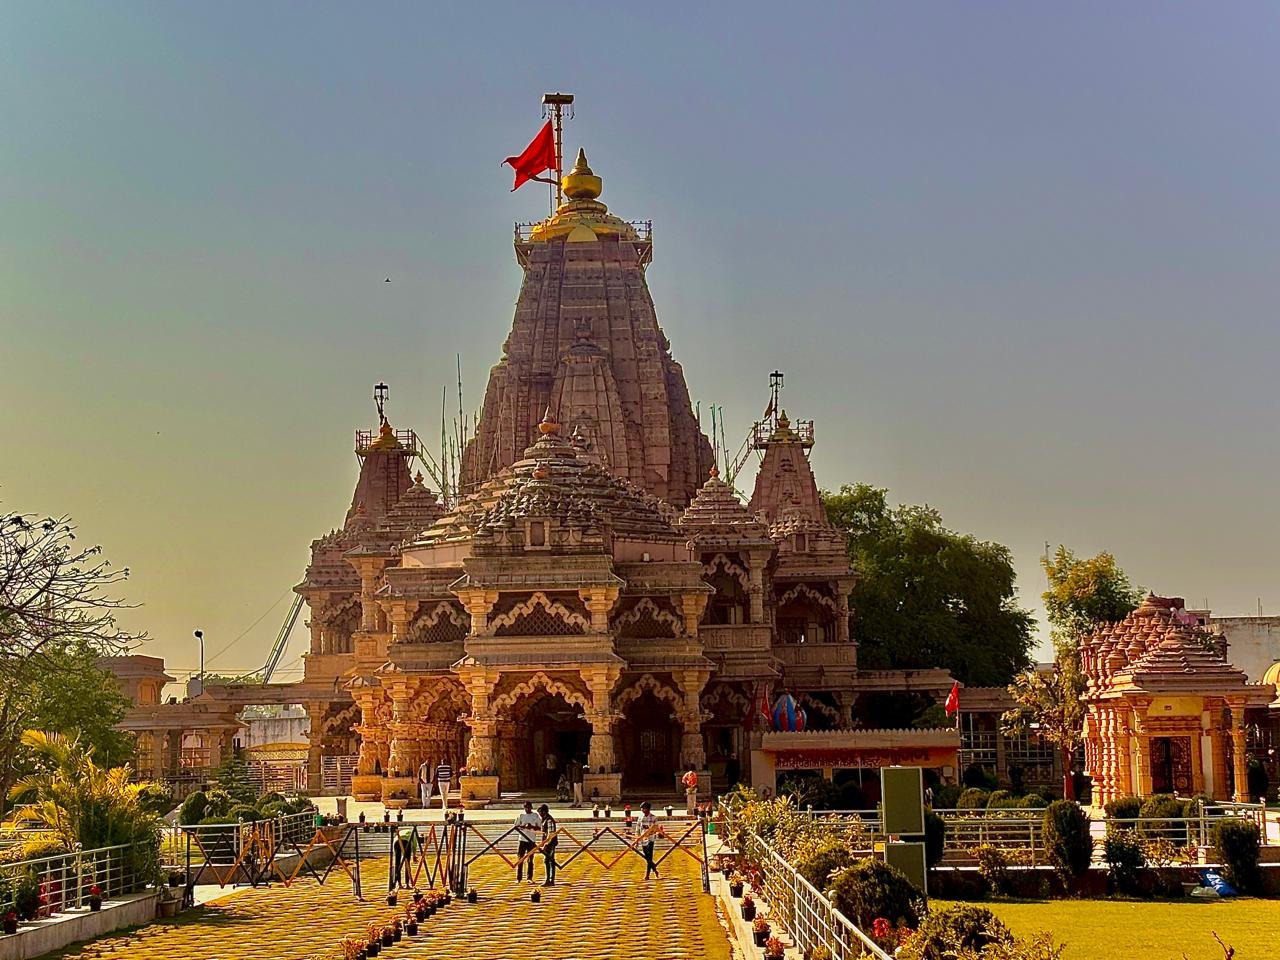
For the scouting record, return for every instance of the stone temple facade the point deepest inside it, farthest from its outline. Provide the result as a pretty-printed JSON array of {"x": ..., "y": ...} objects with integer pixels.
[
  {"x": 595, "y": 590},
  {"x": 1166, "y": 711}
]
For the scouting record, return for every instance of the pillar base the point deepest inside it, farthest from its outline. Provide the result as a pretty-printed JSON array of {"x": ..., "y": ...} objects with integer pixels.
[
  {"x": 366, "y": 787},
  {"x": 602, "y": 787}
]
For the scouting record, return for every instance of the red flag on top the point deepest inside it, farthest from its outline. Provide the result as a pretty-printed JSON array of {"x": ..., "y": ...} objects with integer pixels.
[
  {"x": 953, "y": 699},
  {"x": 539, "y": 155}
]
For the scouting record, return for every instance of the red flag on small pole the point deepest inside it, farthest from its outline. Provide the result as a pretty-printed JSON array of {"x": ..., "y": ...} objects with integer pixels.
[
  {"x": 538, "y": 156},
  {"x": 953, "y": 699}
]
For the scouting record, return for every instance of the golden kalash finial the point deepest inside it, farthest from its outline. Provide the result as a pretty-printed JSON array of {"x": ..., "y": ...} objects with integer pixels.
[
  {"x": 386, "y": 438},
  {"x": 580, "y": 183},
  {"x": 549, "y": 425}
]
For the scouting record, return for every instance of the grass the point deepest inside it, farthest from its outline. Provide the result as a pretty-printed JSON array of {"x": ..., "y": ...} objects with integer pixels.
[{"x": 1148, "y": 930}]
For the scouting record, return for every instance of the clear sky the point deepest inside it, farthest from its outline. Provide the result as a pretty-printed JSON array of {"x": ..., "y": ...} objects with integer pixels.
[{"x": 1018, "y": 260}]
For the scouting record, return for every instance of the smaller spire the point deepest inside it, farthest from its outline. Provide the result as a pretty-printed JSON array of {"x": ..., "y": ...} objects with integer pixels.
[{"x": 580, "y": 183}]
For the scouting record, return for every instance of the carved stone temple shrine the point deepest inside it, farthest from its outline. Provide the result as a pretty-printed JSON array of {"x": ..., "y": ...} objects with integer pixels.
[{"x": 594, "y": 590}]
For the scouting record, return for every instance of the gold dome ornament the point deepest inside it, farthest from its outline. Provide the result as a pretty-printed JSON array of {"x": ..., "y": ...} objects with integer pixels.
[
  {"x": 549, "y": 425},
  {"x": 580, "y": 183}
]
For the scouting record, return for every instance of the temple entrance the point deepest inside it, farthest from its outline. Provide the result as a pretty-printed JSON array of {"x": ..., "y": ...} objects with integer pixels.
[
  {"x": 649, "y": 740},
  {"x": 549, "y": 732},
  {"x": 1171, "y": 765}
]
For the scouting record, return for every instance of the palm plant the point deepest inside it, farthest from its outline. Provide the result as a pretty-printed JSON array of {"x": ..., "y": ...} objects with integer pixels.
[{"x": 85, "y": 804}]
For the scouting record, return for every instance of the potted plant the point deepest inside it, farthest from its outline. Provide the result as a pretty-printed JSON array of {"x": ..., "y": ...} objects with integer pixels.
[
  {"x": 175, "y": 878},
  {"x": 595, "y": 810},
  {"x": 391, "y": 899},
  {"x": 748, "y": 907},
  {"x": 735, "y": 884},
  {"x": 536, "y": 895},
  {"x": 10, "y": 922},
  {"x": 760, "y": 930},
  {"x": 472, "y": 896},
  {"x": 388, "y": 936},
  {"x": 397, "y": 930},
  {"x": 773, "y": 948},
  {"x": 95, "y": 898},
  {"x": 670, "y": 810},
  {"x": 608, "y": 811}
]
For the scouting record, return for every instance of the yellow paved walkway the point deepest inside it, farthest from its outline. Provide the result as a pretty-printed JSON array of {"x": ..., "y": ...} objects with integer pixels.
[{"x": 588, "y": 915}]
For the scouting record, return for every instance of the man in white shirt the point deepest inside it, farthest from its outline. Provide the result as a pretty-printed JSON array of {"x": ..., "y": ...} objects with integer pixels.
[
  {"x": 528, "y": 827},
  {"x": 553, "y": 767},
  {"x": 648, "y": 830}
]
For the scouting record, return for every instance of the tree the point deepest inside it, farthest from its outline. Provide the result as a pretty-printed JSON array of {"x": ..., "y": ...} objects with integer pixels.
[
  {"x": 1082, "y": 595},
  {"x": 928, "y": 596},
  {"x": 56, "y": 619}
]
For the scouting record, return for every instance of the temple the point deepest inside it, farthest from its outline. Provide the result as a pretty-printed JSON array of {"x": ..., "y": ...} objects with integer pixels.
[
  {"x": 1166, "y": 712},
  {"x": 593, "y": 588}
]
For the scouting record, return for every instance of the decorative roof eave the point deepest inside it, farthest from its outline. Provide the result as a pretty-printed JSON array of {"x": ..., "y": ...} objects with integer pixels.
[
  {"x": 537, "y": 661},
  {"x": 542, "y": 580}
]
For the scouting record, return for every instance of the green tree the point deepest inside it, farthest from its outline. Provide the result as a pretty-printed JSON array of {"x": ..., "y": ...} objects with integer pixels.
[
  {"x": 56, "y": 619},
  {"x": 928, "y": 596},
  {"x": 1082, "y": 595}
]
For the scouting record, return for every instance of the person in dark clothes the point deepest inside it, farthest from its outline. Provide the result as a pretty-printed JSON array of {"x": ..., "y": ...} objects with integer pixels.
[
  {"x": 549, "y": 841},
  {"x": 732, "y": 771}
]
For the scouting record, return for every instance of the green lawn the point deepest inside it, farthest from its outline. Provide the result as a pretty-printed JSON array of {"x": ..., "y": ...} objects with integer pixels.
[{"x": 1141, "y": 930}]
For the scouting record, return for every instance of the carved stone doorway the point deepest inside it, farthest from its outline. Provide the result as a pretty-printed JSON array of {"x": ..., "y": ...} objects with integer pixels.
[
  {"x": 554, "y": 732},
  {"x": 649, "y": 736}
]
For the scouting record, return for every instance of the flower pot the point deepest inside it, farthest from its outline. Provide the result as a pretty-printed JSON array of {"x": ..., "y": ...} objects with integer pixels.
[
  {"x": 373, "y": 949},
  {"x": 10, "y": 925},
  {"x": 749, "y": 912},
  {"x": 735, "y": 890},
  {"x": 471, "y": 896},
  {"x": 417, "y": 897},
  {"x": 760, "y": 937},
  {"x": 388, "y": 938},
  {"x": 412, "y": 928},
  {"x": 422, "y": 912},
  {"x": 596, "y": 814},
  {"x": 95, "y": 903},
  {"x": 397, "y": 935},
  {"x": 391, "y": 899}
]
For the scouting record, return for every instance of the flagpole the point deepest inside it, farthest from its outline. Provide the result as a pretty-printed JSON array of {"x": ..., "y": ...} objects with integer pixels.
[{"x": 557, "y": 102}]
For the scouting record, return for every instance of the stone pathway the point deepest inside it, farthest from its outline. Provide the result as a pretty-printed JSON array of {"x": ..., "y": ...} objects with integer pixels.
[{"x": 590, "y": 914}]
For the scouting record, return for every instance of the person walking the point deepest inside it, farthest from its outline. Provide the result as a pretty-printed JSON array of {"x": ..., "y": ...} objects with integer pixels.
[
  {"x": 528, "y": 824},
  {"x": 444, "y": 776},
  {"x": 575, "y": 779},
  {"x": 552, "y": 765},
  {"x": 648, "y": 831},
  {"x": 403, "y": 848},
  {"x": 424, "y": 783},
  {"x": 549, "y": 841}
]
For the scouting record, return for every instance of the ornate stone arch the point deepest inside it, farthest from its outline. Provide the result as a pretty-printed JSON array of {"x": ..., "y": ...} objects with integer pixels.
[
  {"x": 577, "y": 697},
  {"x": 815, "y": 704},
  {"x": 804, "y": 590},
  {"x": 648, "y": 683},
  {"x": 723, "y": 693},
  {"x": 733, "y": 569},
  {"x": 338, "y": 621},
  {"x": 539, "y": 616},
  {"x": 443, "y": 623},
  {"x": 645, "y": 620}
]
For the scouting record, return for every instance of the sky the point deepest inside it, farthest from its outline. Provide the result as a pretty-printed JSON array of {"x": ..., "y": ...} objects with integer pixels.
[{"x": 1017, "y": 260}]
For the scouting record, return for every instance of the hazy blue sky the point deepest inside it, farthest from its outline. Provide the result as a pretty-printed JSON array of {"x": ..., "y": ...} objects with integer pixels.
[{"x": 1018, "y": 260}]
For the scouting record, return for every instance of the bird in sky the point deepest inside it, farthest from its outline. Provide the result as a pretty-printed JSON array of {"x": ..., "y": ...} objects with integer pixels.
[{"x": 388, "y": 280}]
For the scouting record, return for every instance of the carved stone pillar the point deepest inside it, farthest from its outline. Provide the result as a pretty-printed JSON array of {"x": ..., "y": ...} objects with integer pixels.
[
  {"x": 404, "y": 746},
  {"x": 369, "y": 569},
  {"x": 756, "y": 561},
  {"x": 315, "y": 624},
  {"x": 400, "y": 613},
  {"x": 1141, "y": 748},
  {"x": 1239, "y": 754},
  {"x": 600, "y": 680},
  {"x": 599, "y": 600},
  {"x": 691, "y": 606},
  {"x": 843, "y": 588},
  {"x": 693, "y": 753},
  {"x": 478, "y": 603},
  {"x": 480, "y": 683},
  {"x": 845, "y": 700},
  {"x": 366, "y": 697}
]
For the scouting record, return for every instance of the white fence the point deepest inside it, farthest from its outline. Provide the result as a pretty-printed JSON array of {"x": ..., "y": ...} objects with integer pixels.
[{"x": 66, "y": 881}]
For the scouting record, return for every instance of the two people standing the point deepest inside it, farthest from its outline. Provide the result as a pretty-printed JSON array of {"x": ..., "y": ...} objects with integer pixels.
[
  {"x": 528, "y": 826},
  {"x": 442, "y": 776}
]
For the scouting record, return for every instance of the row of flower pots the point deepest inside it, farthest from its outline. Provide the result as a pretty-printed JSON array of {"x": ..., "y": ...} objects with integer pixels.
[
  {"x": 761, "y": 929},
  {"x": 379, "y": 936}
]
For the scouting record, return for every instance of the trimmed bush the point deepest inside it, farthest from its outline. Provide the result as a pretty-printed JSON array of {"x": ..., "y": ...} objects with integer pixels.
[
  {"x": 817, "y": 858},
  {"x": 1033, "y": 801},
  {"x": 1163, "y": 806},
  {"x": 945, "y": 932},
  {"x": 946, "y": 796},
  {"x": 194, "y": 809},
  {"x": 972, "y": 798},
  {"x": 935, "y": 838},
  {"x": 243, "y": 813},
  {"x": 1124, "y": 808},
  {"x": 1125, "y": 859},
  {"x": 1236, "y": 845},
  {"x": 1001, "y": 799},
  {"x": 993, "y": 866},
  {"x": 976, "y": 775},
  {"x": 1066, "y": 837},
  {"x": 871, "y": 889}
]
